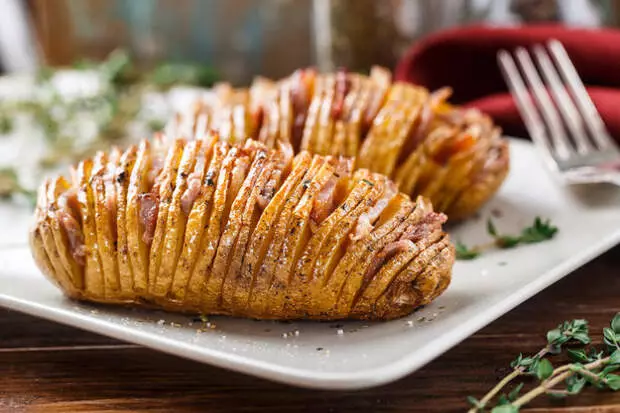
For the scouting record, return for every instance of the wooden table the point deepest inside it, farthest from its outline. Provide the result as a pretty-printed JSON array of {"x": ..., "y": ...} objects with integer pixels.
[{"x": 45, "y": 367}]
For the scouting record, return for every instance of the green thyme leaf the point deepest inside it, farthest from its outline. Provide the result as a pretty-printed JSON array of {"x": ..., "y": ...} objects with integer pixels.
[
  {"x": 574, "y": 384},
  {"x": 491, "y": 228},
  {"x": 544, "y": 370},
  {"x": 613, "y": 381},
  {"x": 465, "y": 253},
  {"x": 578, "y": 355},
  {"x": 610, "y": 337},
  {"x": 506, "y": 408},
  {"x": 615, "y": 357},
  {"x": 615, "y": 323},
  {"x": 474, "y": 402},
  {"x": 553, "y": 336},
  {"x": 512, "y": 396}
]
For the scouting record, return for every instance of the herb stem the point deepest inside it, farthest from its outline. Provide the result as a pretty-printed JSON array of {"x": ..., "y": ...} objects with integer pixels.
[
  {"x": 555, "y": 379},
  {"x": 510, "y": 377},
  {"x": 493, "y": 392}
]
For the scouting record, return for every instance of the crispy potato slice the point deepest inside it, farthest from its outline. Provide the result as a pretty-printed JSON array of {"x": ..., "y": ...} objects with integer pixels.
[
  {"x": 59, "y": 213},
  {"x": 286, "y": 113},
  {"x": 211, "y": 237},
  {"x": 338, "y": 242},
  {"x": 484, "y": 182},
  {"x": 298, "y": 232},
  {"x": 312, "y": 124},
  {"x": 382, "y": 147},
  {"x": 321, "y": 140},
  {"x": 93, "y": 273},
  {"x": 303, "y": 280},
  {"x": 222, "y": 261},
  {"x": 105, "y": 197},
  {"x": 138, "y": 248},
  {"x": 366, "y": 298},
  {"x": 44, "y": 234},
  {"x": 262, "y": 237},
  {"x": 356, "y": 266},
  {"x": 166, "y": 186},
  {"x": 248, "y": 223},
  {"x": 123, "y": 175},
  {"x": 176, "y": 220},
  {"x": 259, "y": 297},
  {"x": 198, "y": 219},
  {"x": 422, "y": 277}
]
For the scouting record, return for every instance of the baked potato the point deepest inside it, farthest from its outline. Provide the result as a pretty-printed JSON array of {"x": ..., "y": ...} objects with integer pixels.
[
  {"x": 454, "y": 156},
  {"x": 206, "y": 226}
]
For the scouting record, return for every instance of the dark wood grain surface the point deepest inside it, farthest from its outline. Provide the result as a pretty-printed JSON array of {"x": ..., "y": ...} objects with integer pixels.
[{"x": 45, "y": 367}]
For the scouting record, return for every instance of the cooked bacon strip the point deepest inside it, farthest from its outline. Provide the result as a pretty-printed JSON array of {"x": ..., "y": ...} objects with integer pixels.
[
  {"x": 74, "y": 235},
  {"x": 386, "y": 253},
  {"x": 194, "y": 185},
  {"x": 149, "y": 208},
  {"x": 343, "y": 85},
  {"x": 367, "y": 219}
]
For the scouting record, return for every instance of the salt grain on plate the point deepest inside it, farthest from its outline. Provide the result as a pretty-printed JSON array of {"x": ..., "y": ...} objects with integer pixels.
[
  {"x": 296, "y": 333},
  {"x": 410, "y": 323},
  {"x": 340, "y": 331},
  {"x": 161, "y": 322}
]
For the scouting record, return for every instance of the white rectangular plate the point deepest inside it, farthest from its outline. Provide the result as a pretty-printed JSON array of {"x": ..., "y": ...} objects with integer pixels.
[{"x": 352, "y": 355}]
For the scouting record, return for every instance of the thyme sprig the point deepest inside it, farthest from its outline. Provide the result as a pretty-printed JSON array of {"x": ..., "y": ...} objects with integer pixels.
[
  {"x": 588, "y": 367},
  {"x": 540, "y": 230}
]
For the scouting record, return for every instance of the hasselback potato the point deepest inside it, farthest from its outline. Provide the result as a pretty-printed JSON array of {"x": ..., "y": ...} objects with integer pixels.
[
  {"x": 205, "y": 226},
  {"x": 456, "y": 157}
]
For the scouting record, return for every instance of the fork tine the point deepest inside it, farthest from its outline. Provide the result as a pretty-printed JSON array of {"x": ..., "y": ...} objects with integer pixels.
[
  {"x": 563, "y": 101},
  {"x": 586, "y": 106},
  {"x": 529, "y": 114},
  {"x": 550, "y": 114}
]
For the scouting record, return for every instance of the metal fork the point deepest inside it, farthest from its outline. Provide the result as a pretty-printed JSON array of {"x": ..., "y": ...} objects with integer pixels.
[{"x": 587, "y": 153}]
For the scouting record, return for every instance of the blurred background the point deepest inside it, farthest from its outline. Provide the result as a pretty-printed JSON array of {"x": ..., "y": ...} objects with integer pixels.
[{"x": 242, "y": 38}]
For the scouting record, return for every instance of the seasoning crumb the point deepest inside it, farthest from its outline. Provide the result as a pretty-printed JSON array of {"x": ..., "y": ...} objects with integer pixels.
[
  {"x": 161, "y": 322},
  {"x": 340, "y": 331},
  {"x": 190, "y": 324},
  {"x": 410, "y": 323},
  {"x": 296, "y": 333},
  {"x": 94, "y": 311},
  {"x": 319, "y": 349},
  {"x": 442, "y": 307},
  {"x": 421, "y": 319},
  {"x": 496, "y": 213},
  {"x": 284, "y": 335},
  {"x": 208, "y": 324},
  {"x": 175, "y": 324}
]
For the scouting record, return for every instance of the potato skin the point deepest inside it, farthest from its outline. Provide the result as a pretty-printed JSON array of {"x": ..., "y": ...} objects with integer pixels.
[{"x": 207, "y": 227}]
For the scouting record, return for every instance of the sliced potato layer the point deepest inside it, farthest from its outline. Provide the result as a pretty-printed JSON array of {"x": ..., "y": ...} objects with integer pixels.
[{"x": 204, "y": 226}]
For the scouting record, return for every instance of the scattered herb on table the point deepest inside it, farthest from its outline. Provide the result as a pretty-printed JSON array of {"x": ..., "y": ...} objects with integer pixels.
[
  {"x": 10, "y": 186},
  {"x": 112, "y": 109},
  {"x": 540, "y": 230},
  {"x": 589, "y": 367}
]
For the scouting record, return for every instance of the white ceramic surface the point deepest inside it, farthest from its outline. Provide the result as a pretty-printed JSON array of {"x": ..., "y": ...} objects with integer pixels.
[{"x": 351, "y": 355}]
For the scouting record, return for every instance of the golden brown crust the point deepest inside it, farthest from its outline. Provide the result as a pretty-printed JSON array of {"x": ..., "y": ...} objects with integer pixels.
[
  {"x": 202, "y": 226},
  {"x": 426, "y": 145}
]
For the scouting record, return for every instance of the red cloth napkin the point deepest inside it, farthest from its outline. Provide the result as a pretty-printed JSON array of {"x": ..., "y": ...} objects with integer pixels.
[{"x": 465, "y": 59}]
